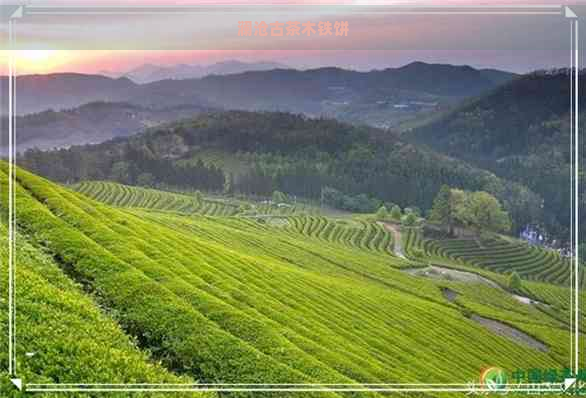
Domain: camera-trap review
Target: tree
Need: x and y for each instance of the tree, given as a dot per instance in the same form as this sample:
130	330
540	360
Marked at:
396	213
515	283
121	172
412	209
442	210
485	213
198	196
382	213
145	180
279	197
410	219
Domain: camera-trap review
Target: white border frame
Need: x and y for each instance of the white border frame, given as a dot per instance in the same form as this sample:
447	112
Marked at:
238	387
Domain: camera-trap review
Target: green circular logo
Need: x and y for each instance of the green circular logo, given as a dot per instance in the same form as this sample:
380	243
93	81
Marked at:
494	379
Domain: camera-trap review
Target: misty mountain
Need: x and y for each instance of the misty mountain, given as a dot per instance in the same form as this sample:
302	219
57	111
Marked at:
91	123
382	98
37	93
149	73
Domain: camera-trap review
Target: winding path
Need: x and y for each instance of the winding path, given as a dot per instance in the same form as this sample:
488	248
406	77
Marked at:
398	247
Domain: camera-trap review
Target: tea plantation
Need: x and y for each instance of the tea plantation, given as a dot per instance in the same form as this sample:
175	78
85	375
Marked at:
61	333
127	196
229	299
356	234
499	254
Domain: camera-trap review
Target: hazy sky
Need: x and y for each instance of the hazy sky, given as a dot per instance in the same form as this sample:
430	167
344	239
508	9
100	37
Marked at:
80	40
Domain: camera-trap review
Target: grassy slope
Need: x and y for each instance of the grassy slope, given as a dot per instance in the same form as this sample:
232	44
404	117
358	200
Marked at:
234	301
72	340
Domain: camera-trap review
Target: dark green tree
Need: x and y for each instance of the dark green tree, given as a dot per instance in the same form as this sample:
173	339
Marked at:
442	211
410	219
396	213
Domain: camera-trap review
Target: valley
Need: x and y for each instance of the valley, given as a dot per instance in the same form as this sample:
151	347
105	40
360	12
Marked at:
365	228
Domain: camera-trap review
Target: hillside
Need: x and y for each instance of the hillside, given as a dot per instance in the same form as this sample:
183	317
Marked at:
521	132
60	329
498	254
57	91
271	151
227	299
90	123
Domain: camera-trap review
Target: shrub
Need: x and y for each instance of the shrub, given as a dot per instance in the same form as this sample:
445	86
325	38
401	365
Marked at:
515	282
396	213
410	219
486	237
382	213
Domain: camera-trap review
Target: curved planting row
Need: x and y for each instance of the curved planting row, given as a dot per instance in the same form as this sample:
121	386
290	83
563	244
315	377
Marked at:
500	255
360	234
282	209
65	330
127	196
414	240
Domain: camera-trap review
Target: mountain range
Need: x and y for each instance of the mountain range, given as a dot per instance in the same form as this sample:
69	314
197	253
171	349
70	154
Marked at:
149	73
382	98
518	130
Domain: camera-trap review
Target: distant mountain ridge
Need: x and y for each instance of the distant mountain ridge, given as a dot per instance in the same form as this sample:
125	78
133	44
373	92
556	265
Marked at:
380	97
149	73
37	93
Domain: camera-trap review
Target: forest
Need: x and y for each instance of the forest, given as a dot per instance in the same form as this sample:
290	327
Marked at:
521	131
281	151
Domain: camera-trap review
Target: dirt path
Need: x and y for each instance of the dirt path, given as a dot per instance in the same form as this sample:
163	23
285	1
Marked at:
443	273
493	325
437	272
398	247
512	333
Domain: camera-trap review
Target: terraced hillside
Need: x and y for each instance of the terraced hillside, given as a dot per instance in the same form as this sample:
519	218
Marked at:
499	254
225	299
357	234
128	196
60	330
